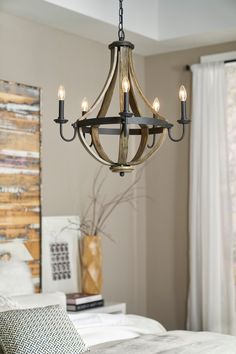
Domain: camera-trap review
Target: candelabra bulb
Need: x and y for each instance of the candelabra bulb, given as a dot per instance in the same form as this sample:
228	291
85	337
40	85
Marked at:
61	93
84	105
182	93
125	84
156	105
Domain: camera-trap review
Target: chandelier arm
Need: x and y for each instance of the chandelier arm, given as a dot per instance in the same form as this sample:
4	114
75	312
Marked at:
144	129
102	113
150	146
114	54
181	137
88	149
74	134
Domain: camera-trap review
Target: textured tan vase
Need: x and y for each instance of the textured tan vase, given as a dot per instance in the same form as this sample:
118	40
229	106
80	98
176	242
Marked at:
91	263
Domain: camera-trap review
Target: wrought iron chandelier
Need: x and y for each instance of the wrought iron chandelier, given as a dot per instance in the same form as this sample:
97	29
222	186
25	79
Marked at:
130	121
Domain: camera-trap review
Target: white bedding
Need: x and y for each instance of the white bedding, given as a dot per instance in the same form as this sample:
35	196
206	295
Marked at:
101	328
173	342
116	334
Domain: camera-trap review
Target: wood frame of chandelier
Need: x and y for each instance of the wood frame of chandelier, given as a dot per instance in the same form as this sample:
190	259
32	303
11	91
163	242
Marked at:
122	62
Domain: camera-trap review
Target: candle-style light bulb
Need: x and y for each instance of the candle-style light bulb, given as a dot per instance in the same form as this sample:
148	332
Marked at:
156	105
84	105
61	93
182	93
125	84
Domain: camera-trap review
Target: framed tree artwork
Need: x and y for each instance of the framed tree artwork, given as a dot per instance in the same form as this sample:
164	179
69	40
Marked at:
20	178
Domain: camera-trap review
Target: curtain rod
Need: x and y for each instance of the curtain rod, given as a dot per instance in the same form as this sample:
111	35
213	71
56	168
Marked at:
188	67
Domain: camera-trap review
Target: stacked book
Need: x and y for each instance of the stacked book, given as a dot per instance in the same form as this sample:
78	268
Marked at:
79	302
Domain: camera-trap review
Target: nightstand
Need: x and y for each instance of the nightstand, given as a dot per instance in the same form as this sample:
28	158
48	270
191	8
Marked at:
109	307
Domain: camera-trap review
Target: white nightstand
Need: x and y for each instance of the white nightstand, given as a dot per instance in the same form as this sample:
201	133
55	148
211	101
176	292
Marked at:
109	307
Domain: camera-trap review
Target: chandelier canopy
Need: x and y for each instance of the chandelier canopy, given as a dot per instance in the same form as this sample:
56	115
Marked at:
130	121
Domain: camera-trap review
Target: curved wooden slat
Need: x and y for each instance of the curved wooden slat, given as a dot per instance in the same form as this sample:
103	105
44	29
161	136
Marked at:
123	148
154	149
114	54
89	150
144	129
164	134
109	93
102	113
138	87
98	146
132	100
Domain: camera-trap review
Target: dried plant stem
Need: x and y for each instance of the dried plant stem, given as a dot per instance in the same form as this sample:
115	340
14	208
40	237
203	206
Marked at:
118	201
100	210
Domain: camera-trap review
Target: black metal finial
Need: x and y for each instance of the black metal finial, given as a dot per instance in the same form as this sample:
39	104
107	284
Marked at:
121	33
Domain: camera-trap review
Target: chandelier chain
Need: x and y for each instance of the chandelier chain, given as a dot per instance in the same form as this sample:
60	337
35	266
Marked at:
121	33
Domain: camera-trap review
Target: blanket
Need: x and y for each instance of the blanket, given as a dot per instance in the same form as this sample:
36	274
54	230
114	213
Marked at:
172	342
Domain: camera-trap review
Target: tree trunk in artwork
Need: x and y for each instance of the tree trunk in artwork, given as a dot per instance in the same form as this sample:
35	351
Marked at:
91	265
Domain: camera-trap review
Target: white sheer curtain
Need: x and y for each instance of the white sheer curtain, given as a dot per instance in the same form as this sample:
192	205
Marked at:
211	304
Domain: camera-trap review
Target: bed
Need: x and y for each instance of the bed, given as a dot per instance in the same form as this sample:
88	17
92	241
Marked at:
118	334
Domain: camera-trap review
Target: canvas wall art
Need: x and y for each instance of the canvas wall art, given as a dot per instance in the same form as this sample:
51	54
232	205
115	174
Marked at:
20	203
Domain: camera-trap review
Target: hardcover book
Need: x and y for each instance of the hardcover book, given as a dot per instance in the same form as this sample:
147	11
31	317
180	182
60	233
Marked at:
89	305
79	298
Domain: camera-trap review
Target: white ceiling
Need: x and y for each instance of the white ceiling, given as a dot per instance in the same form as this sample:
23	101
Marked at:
155	26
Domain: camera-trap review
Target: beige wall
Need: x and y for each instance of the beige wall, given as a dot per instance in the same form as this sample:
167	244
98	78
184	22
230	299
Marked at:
45	57
42	56
167	183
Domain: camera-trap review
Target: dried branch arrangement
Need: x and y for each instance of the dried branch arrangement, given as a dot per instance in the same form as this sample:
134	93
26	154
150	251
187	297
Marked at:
100	208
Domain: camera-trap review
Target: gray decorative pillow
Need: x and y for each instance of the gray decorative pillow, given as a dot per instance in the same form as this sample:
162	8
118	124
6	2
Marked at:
46	330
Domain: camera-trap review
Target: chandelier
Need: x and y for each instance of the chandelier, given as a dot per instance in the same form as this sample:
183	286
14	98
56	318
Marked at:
129	123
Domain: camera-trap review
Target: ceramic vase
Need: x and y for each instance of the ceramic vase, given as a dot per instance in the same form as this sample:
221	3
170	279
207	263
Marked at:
91	264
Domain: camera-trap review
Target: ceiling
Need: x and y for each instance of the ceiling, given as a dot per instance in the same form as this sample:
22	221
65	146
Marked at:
155	26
